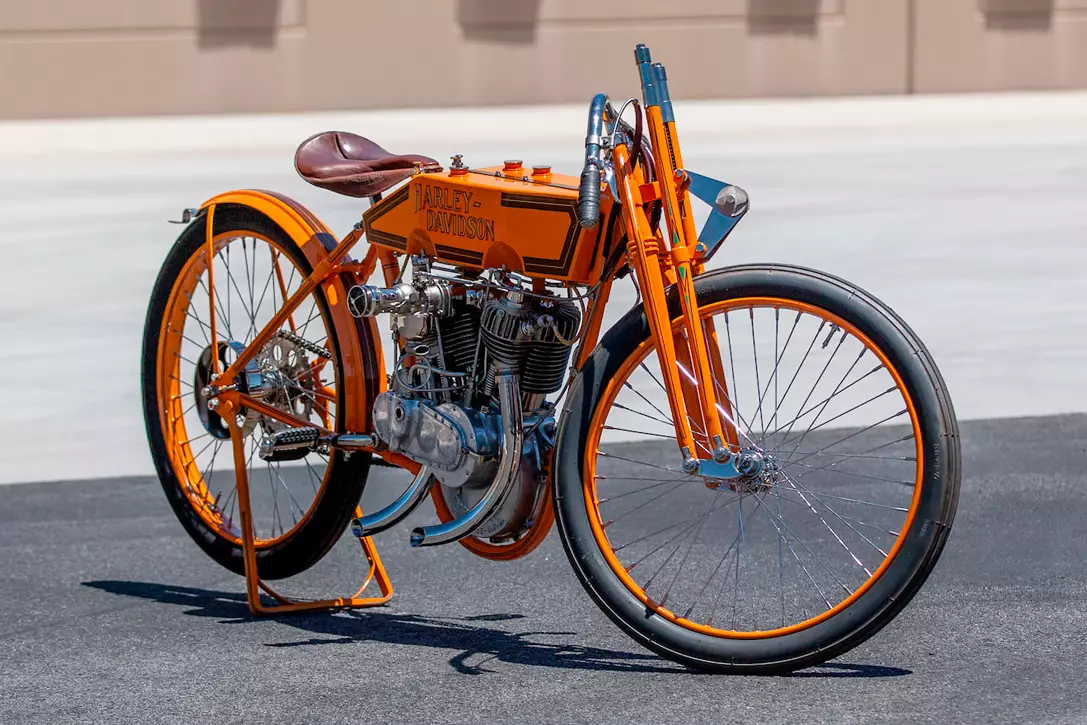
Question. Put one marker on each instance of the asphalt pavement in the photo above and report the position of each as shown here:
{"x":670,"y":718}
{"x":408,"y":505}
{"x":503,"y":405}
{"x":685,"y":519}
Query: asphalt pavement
{"x":111,"y":614}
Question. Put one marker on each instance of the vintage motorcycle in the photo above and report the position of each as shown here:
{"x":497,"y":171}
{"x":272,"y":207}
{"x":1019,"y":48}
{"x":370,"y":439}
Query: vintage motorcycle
{"x":754,"y":470}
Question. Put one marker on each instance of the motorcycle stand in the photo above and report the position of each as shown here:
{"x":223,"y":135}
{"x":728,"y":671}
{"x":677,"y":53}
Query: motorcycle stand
{"x":253,"y":583}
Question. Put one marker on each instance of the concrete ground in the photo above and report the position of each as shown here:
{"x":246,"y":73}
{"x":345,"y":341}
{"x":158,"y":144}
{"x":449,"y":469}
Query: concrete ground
{"x":964,"y":213}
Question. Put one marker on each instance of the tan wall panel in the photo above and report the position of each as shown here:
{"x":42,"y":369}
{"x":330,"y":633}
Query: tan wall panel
{"x":51,"y":16}
{"x":61,"y":58}
{"x":711,"y":50}
{"x":982,"y":45}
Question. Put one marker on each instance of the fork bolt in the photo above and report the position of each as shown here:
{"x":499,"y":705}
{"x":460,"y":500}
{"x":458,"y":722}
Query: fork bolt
{"x":690,"y":463}
{"x":721,"y":454}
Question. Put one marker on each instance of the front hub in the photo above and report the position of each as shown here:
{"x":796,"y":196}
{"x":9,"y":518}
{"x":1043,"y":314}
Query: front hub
{"x":749,"y":471}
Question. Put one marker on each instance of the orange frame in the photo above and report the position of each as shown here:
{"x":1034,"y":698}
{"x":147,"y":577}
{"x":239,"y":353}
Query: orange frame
{"x":692,"y":397}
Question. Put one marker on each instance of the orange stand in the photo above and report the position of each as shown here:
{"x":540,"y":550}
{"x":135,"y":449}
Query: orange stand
{"x":253,"y":583}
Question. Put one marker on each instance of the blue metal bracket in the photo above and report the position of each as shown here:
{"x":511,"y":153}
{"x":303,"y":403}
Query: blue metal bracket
{"x":718,"y":225}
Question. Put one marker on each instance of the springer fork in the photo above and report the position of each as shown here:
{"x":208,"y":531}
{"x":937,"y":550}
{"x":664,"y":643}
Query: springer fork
{"x":691,"y":367}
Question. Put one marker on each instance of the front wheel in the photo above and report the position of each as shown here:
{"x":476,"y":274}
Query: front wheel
{"x":828,"y":543}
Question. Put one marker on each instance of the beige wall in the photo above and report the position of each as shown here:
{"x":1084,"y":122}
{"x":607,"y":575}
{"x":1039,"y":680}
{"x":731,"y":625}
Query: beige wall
{"x":987,"y":45}
{"x":127,"y":57}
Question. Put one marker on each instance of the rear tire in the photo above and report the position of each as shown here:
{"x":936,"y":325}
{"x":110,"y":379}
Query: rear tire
{"x":326,"y":517}
{"x":584,"y":532}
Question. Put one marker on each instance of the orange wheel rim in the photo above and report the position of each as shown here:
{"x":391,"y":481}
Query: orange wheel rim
{"x":599,"y":524}
{"x":176,"y":407}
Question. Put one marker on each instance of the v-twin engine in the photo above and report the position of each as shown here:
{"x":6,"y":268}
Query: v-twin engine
{"x":467,"y":398}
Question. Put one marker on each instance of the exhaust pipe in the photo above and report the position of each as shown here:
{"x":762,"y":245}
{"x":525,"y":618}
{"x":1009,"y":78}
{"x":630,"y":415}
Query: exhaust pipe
{"x":398,"y":510}
{"x":509,"y":465}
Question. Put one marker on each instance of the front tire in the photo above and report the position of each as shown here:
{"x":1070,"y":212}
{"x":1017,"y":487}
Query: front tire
{"x":879,"y":517}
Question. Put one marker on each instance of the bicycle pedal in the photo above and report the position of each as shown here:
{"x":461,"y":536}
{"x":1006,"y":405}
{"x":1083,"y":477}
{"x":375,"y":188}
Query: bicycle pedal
{"x":291,"y":444}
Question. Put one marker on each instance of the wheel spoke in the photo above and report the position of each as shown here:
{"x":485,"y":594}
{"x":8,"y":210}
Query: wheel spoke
{"x":755,"y":358}
{"x":631,"y":493}
{"x":642,"y":505}
{"x":818,"y":380}
{"x":799,"y":367}
{"x":640,"y":463}
{"x":827,"y":467}
{"x":774,"y":522}
{"x":305,"y":381}
{"x":844,"y":520}
{"x":852,"y":435}
{"x":640,"y":432}
{"x":829,"y":528}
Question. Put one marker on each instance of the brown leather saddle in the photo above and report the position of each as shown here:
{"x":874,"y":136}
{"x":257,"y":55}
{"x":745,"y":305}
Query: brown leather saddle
{"x":354,"y":166}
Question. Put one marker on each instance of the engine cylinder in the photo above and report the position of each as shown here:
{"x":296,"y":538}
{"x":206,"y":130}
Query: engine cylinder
{"x":502,"y":322}
{"x":531,"y":337}
{"x":548,"y":355}
{"x":459,"y":334}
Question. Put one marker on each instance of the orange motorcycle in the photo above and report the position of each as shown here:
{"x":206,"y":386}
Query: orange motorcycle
{"x":754,"y":470}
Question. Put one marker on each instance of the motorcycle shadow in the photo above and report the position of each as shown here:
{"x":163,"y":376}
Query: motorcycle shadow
{"x":476,"y":643}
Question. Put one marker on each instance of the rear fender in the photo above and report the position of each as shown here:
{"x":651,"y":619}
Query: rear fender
{"x":363,"y":372}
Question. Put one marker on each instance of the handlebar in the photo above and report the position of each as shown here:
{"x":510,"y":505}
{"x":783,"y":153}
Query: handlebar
{"x":588,"y":197}
{"x":655,"y":92}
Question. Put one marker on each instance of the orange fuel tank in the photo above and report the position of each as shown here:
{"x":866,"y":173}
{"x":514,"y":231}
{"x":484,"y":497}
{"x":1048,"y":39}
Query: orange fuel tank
{"x":525,"y":219}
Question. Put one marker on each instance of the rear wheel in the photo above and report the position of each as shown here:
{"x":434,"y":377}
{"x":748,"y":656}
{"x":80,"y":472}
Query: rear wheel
{"x":856,"y":495}
{"x":300,"y":508}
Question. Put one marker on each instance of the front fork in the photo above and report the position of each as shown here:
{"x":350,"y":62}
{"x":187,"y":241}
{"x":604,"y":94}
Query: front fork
{"x":690,"y":358}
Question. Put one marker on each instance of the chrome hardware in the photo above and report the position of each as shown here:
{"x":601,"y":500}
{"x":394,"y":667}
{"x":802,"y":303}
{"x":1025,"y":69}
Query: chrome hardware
{"x":523,"y":504}
{"x":412,"y":327}
{"x":720,"y":452}
{"x":457,"y":162}
{"x":747,"y":464}
{"x":288,"y":444}
{"x":186,"y":216}
{"x":475,"y":297}
{"x":459,"y":444}
{"x":213,"y":391}
{"x":366,"y":300}
{"x":731,"y":201}
{"x":352,"y":442}
{"x":690,"y":463}
{"x":725,"y":470}
{"x":205,"y":389}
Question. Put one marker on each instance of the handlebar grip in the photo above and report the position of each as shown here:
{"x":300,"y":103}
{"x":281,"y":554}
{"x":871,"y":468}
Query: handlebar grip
{"x":588,"y":197}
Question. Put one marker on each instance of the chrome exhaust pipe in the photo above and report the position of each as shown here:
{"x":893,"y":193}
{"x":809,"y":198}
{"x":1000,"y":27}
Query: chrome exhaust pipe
{"x":509,"y":466}
{"x":398,"y":510}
